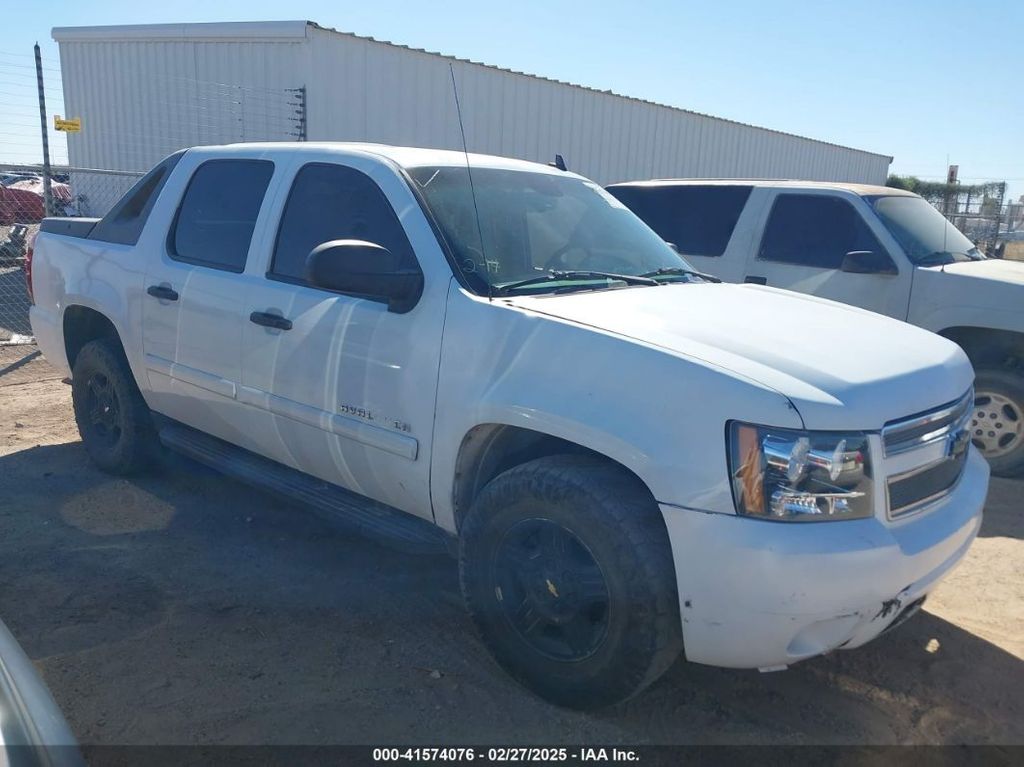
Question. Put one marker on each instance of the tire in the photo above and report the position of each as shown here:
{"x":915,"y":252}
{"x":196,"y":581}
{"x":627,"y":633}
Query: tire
{"x":544,"y":616}
{"x":113,"y":420}
{"x":997,"y":423}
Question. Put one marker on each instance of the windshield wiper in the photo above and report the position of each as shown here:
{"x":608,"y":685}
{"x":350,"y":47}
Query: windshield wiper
{"x":560,"y":276}
{"x":673,"y":270}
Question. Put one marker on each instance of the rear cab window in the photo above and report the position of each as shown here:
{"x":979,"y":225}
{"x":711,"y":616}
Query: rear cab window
{"x":698,"y":220}
{"x":124,"y":222}
{"x":217,"y":215}
{"x":814,"y":230}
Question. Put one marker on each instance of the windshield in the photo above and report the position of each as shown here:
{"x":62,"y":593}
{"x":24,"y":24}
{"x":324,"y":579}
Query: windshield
{"x":924,"y":234}
{"x":533,"y":224}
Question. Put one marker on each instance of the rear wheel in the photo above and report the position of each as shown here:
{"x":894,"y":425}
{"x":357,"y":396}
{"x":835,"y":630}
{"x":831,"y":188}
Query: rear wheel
{"x":997,"y":423}
{"x":113,"y":420}
{"x":567,"y":572}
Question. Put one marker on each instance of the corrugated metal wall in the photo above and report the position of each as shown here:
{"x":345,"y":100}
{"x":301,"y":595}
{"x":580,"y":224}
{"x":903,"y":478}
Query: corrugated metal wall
{"x":145,"y":91}
{"x":367,"y":90}
{"x":141,"y":99}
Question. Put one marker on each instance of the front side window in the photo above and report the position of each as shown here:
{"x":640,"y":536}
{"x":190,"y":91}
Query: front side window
{"x":698,"y":220}
{"x":815,"y":230}
{"x":218,"y":213}
{"x":334,"y":202}
{"x":524,"y":225}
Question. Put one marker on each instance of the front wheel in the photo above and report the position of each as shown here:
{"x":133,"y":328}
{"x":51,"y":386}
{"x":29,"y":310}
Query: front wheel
{"x":567,"y":571}
{"x":997,"y":423}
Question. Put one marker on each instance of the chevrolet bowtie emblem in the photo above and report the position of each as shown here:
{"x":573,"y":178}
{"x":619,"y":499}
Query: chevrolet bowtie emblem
{"x":957,"y":442}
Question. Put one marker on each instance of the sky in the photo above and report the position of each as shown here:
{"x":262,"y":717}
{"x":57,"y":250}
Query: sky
{"x":921,"y":81}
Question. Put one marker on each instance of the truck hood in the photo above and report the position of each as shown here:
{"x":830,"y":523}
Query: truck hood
{"x":841,"y":367}
{"x":992,"y":285}
{"x":984,"y":294}
{"x":989,"y":270}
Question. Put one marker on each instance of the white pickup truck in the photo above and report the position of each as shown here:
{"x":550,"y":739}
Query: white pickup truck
{"x":630,"y":459}
{"x":875,"y":247}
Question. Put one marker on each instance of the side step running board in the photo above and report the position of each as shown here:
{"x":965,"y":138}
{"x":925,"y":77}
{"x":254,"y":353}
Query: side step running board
{"x":390,"y":526}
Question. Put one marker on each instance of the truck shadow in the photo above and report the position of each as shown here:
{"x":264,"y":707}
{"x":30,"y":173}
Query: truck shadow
{"x":181,"y":607}
{"x":1004,"y":509}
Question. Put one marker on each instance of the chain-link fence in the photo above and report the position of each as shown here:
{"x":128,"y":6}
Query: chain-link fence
{"x":73,"y":192}
{"x":90,"y":159}
{"x":978,"y":211}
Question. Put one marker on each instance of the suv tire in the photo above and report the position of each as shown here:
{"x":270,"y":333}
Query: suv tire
{"x":113,"y":419}
{"x":567,"y":572}
{"x":997,"y":423}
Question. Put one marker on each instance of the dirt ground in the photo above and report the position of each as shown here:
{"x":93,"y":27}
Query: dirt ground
{"x":185,"y":608}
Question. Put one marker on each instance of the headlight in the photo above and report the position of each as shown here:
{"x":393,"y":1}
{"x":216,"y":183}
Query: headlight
{"x":799,"y":476}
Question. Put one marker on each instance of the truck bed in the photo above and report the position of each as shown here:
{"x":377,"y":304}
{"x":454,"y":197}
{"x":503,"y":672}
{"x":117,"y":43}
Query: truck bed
{"x":68,"y":227}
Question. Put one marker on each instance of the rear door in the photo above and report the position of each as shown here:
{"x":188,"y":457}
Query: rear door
{"x":194,"y":296}
{"x":705,"y":223}
{"x":806,"y":235}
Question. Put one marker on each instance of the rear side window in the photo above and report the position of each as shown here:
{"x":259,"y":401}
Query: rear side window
{"x":814,"y":230}
{"x":698,"y":220}
{"x":124,"y":222}
{"x":333,"y":202}
{"x":218,"y":213}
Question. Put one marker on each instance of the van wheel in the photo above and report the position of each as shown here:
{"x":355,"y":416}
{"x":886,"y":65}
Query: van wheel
{"x":997,"y":423}
{"x":567,"y":572}
{"x":112,"y":417}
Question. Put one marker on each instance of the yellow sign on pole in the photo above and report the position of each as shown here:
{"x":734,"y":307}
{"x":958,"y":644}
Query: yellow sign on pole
{"x":68,"y":126}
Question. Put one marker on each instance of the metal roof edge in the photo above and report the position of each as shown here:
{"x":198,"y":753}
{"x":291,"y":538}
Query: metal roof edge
{"x":596,"y":90}
{"x":211,"y":31}
{"x":297,"y":30}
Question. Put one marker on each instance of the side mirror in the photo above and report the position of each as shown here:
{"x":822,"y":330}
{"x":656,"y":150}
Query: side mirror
{"x":867,"y":262}
{"x":365,"y":269}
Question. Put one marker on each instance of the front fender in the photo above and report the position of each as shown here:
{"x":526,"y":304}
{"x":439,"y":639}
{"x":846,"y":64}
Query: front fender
{"x":661,"y":415}
{"x":941,"y":318}
{"x":946,"y":299}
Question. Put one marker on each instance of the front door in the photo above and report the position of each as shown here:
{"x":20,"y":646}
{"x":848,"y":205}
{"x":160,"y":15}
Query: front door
{"x":346,"y":387}
{"x":804,"y":242}
{"x":195,"y":298}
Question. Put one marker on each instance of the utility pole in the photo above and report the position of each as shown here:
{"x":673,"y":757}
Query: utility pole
{"x":47,"y":191}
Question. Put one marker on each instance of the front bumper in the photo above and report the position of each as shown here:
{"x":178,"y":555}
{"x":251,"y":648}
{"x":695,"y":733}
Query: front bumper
{"x":758,"y":594}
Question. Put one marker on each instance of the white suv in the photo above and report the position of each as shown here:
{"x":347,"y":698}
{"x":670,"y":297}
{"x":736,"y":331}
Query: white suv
{"x":875,"y":247}
{"x":630,"y":460}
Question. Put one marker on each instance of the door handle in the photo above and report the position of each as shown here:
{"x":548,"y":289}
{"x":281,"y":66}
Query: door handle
{"x":163,"y":292}
{"x":268,"y":320}
{"x":756,"y":280}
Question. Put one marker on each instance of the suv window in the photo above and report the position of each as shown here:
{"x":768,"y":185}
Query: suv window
{"x":218,"y":213}
{"x":124,"y":222}
{"x":334,"y":202}
{"x":815,"y":230}
{"x":698,"y":220}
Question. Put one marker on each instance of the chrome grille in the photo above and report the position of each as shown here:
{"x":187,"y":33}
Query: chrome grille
{"x":920,"y":430}
{"x":920,"y":487}
{"x":916,"y":488}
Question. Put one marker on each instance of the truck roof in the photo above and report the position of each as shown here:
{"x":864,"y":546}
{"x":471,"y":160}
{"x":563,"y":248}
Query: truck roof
{"x":863,"y":190}
{"x":406,"y":157}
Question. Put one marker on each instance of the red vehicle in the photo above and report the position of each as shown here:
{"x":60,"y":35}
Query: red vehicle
{"x":22,"y":202}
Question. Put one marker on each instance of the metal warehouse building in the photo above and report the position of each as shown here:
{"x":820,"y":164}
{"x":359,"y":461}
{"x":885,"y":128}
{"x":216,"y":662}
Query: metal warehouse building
{"x":145,"y":91}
